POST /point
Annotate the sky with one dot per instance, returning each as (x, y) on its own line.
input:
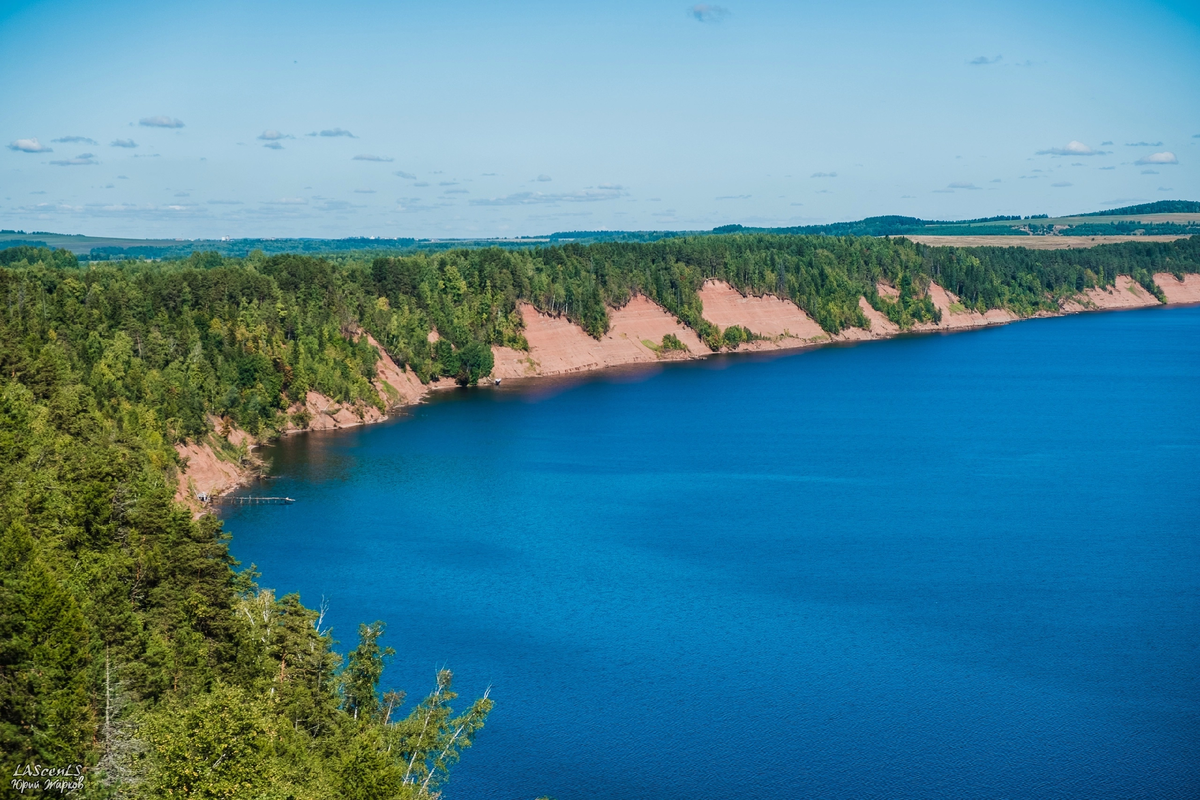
(466, 119)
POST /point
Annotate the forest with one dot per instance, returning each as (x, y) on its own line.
(131, 641)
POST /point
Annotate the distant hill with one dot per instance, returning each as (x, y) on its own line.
(1166, 217)
(1161, 207)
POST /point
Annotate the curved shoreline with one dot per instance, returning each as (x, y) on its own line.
(558, 347)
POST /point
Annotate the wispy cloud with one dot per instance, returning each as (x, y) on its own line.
(733, 197)
(421, 184)
(824, 175)
(1073, 148)
(122, 143)
(160, 122)
(331, 132)
(29, 146)
(81, 160)
(1149, 172)
(704, 12)
(962, 185)
(447, 183)
(288, 201)
(1164, 157)
(538, 198)
(982, 61)
(457, 191)
(1143, 144)
(225, 202)
(273, 146)
(74, 140)
(405, 175)
(273, 135)
(182, 194)
(1060, 185)
(544, 178)
(1105, 144)
(1165, 189)
(369, 157)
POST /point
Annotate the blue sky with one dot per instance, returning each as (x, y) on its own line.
(489, 119)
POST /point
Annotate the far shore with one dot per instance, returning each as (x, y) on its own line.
(558, 349)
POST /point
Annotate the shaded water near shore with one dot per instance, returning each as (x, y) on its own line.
(962, 566)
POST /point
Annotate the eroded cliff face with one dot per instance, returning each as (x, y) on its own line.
(1125, 294)
(220, 462)
(1179, 291)
(558, 346)
(784, 324)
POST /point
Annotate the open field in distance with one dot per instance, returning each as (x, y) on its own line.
(1036, 242)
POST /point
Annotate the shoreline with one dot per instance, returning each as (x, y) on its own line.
(558, 348)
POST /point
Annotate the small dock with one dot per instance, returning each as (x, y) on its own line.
(251, 500)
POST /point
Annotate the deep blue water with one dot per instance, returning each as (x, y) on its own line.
(961, 566)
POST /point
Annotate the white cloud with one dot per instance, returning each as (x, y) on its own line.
(984, 61)
(1143, 144)
(81, 160)
(823, 175)
(288, 201)
(29, 146)
(368, 157)
(74, 140)
(160, 122)
(122, 143)
(405, 175)
(544, 178)
(962, 185)
(703, 12)
(273, 135)
(273, 146)
(1164, 157)
(1073, 148)
(538, 198)
(331, 132)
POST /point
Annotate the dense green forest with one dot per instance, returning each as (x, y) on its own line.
(129, 639)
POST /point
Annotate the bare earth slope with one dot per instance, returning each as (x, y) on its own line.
(558, 346)
(958, 318)
(781, 320)
(1179, 291)
(1126, 294)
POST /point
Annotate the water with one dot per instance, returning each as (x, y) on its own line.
(961, 566)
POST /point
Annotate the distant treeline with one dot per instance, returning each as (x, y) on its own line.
(1159, 207)
(130, 641)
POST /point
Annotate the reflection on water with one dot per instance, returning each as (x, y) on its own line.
(956, 566)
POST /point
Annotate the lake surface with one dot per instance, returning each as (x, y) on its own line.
(960, 566)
